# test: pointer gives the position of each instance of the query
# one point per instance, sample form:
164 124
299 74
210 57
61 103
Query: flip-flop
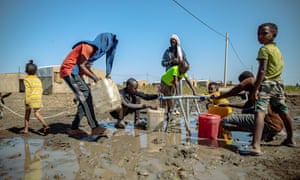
288 144
250 152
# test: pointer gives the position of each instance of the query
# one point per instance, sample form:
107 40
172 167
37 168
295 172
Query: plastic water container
155 118
222 111
208 126
106 96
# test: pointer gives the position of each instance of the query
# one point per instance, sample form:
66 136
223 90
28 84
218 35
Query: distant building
203 82
49 75
143 83
12 82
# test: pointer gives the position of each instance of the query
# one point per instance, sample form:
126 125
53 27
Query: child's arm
259 77
27 92
240 105
176 85
87 71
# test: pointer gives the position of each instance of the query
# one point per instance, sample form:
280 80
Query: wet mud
135 153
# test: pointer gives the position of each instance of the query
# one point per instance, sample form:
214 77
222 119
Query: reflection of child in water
32 167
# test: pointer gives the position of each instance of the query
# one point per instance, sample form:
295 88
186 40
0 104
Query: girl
33 97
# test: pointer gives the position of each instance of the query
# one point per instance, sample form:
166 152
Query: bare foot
23 131
46 130
289 143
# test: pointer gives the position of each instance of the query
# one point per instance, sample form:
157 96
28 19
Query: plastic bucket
155 118
208 126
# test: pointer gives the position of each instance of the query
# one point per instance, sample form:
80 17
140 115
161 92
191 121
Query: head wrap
179 50
174 36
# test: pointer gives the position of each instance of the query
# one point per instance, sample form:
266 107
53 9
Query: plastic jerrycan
208 126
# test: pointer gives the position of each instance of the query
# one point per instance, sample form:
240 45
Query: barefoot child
269 88
33 97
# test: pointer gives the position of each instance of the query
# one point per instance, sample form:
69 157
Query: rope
22 116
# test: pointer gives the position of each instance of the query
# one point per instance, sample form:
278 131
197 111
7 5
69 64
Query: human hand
96 79
175 61
152 107
216 97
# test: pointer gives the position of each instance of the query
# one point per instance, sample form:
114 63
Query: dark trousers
85 107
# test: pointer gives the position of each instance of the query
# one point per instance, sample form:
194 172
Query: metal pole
185 110
226 57
185 97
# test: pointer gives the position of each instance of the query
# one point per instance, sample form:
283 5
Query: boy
169 82
131 103
246 120
78 63
269 87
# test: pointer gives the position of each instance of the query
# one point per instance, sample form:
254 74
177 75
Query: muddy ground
132 153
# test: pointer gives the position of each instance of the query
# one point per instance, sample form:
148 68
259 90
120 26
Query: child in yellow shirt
33 97
213 90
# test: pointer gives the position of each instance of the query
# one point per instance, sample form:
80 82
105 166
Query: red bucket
208 126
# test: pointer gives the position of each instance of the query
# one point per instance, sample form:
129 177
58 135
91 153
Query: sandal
288 144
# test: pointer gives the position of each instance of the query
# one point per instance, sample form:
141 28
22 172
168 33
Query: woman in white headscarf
174 54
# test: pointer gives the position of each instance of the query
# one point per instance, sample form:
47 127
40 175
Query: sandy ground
132 153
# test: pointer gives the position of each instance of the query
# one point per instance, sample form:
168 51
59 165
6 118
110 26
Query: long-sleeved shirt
105 43
33 91
128 100
168 57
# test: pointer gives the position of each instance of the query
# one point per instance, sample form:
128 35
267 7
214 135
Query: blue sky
45 30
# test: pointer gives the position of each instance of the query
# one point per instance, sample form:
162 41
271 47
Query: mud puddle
23 157
27 158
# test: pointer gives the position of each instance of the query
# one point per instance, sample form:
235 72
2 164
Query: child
131 103
213 89
169 82
78 63
33 97
270 87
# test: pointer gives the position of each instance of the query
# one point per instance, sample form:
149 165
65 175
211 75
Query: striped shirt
33 91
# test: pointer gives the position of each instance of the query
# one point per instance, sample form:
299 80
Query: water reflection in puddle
23 158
